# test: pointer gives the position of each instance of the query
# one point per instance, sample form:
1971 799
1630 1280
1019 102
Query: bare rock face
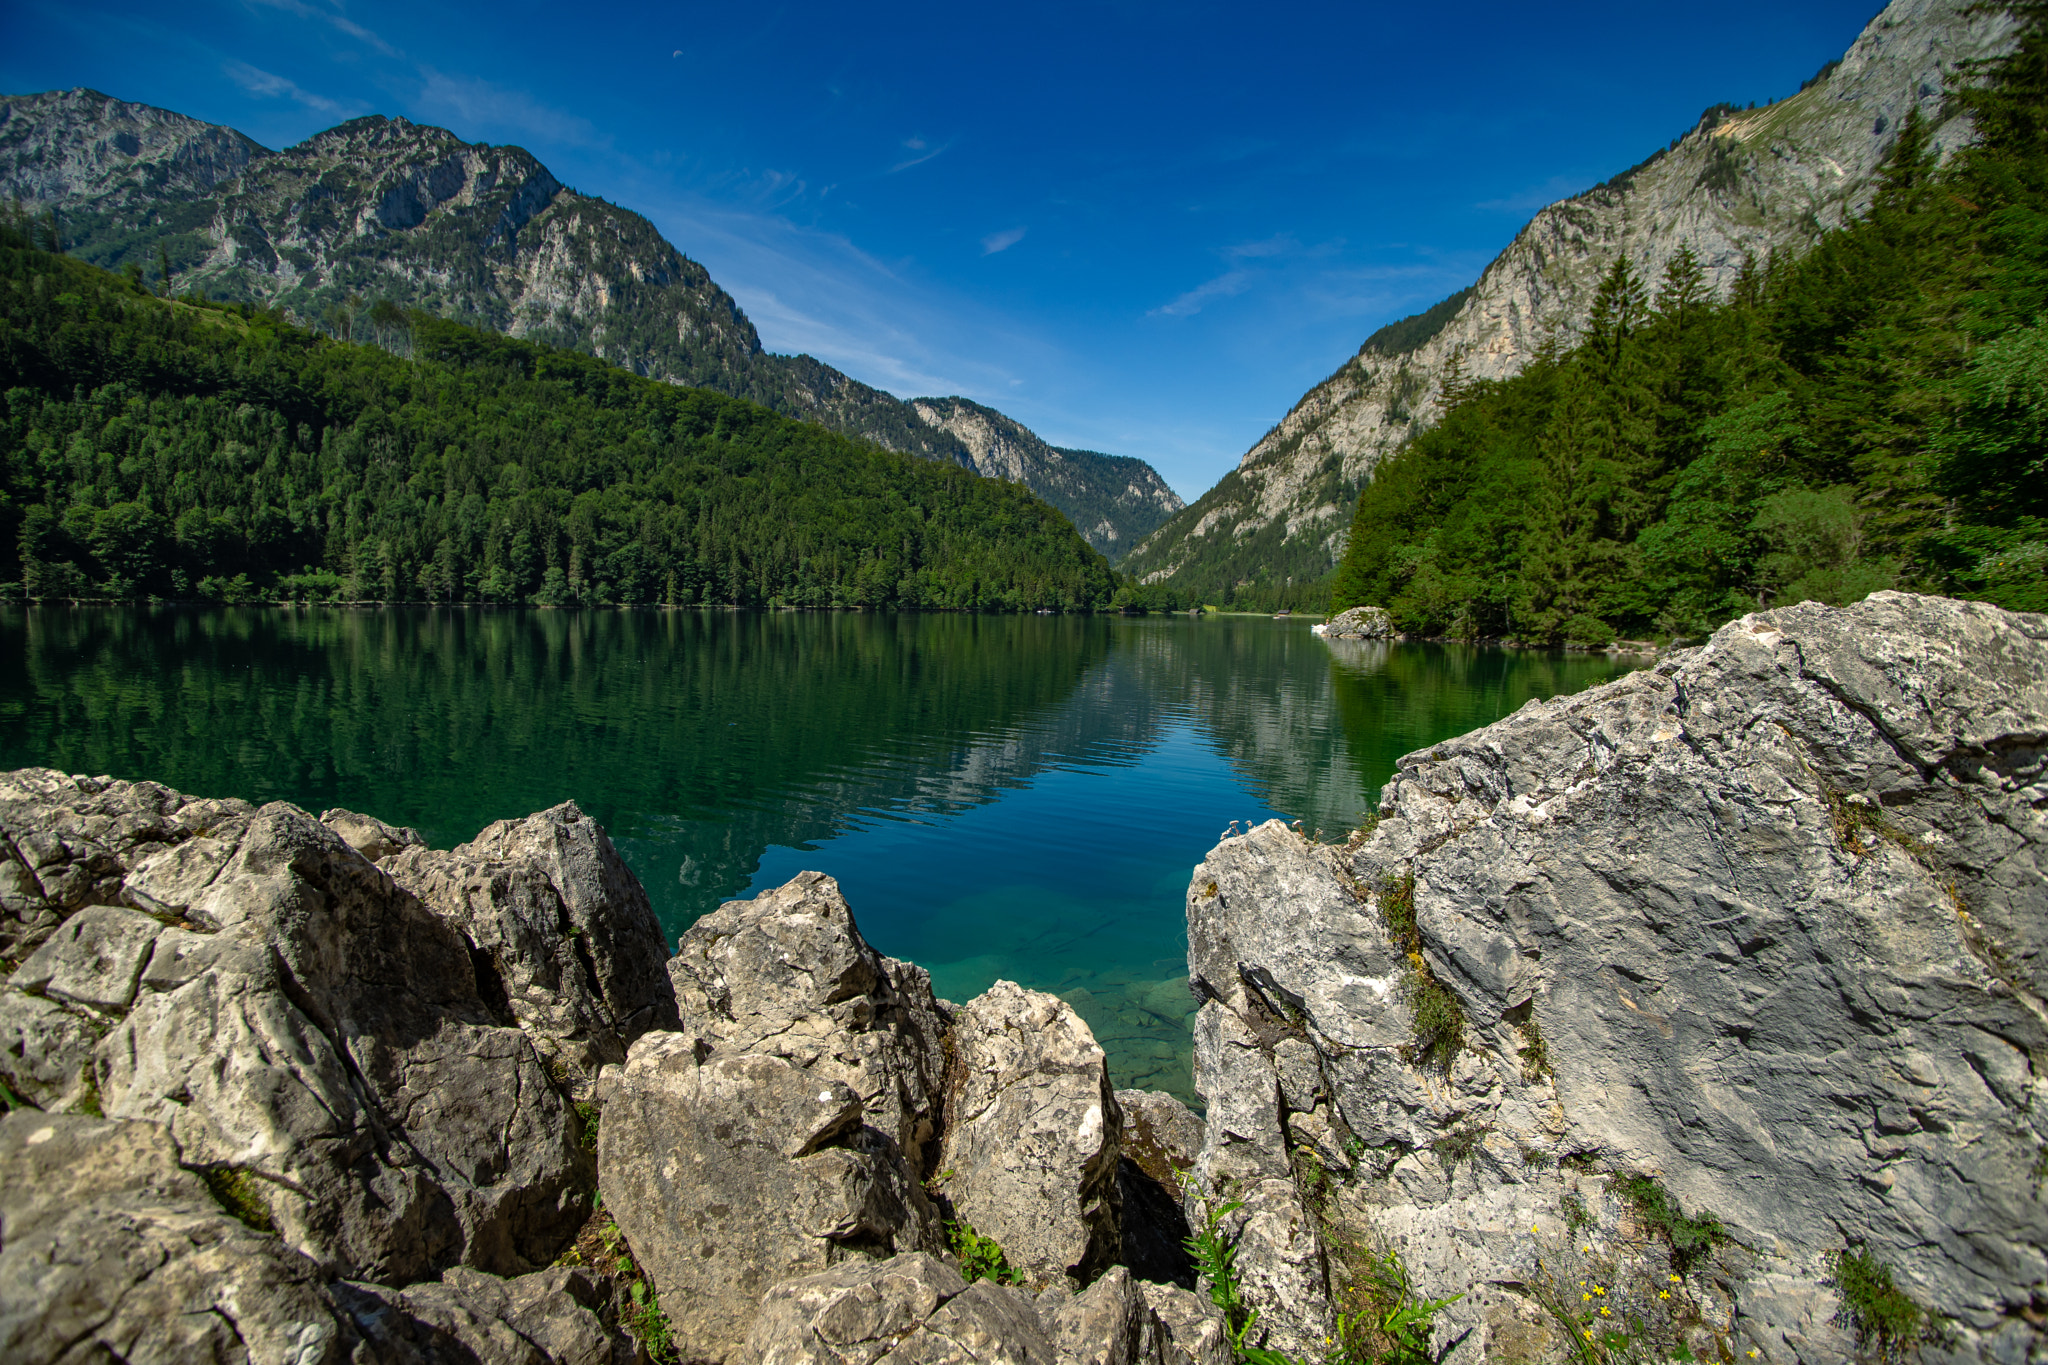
545 1318
1764 924
729 1172
568 929
1034 1134
295 1020
1161 1139
788 974
914 1308
109 1249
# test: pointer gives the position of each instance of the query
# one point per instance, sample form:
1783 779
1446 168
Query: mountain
1741 184
383 209
1114 500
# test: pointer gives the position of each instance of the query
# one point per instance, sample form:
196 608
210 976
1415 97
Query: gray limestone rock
730 1172
46 1051
1190 1326
328 1033
1161 1139
94 959
788 973
1033 1135
1109 1323
1359 623
545 1318
577 956
109 1249
369 836
851 1314
1765 923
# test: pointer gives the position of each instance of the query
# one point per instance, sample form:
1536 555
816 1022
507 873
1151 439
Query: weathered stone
851 1314
729 1173
985 1324
1033 1135
1766 922
326 1033
94 959
788 973
45 1051
1109 1323
1161 1139
110 1250
1360 623
576 954
1161 1135
544 1318
1190 1326
369 836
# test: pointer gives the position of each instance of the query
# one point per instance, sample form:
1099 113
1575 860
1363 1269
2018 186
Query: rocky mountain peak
1740 184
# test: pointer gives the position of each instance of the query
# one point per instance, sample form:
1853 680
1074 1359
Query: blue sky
1136 228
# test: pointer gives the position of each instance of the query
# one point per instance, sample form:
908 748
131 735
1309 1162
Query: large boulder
299 1023
110 1249
1763 925
1033 1136
1360 623
788 974
569 931
729 1172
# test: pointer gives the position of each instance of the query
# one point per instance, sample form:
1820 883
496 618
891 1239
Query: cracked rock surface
1765 923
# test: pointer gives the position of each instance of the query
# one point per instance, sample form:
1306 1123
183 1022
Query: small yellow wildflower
1605 1314
1533 1228
1587 1250
1676 1279
1663 1293
1589 1334
1754 1353
1599 1289
1585 1298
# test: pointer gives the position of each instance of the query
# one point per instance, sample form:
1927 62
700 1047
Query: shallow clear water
1018 797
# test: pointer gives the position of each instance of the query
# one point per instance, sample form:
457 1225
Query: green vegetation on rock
151 448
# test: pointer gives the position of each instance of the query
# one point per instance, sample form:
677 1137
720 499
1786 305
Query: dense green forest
1871 414
152 447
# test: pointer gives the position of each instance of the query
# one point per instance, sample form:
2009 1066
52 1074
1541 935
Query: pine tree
1562 556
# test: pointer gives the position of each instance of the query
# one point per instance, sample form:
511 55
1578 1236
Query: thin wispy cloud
270 85
1280 244
1222 287
1535 197
474 107
333 18
1002 241
920 152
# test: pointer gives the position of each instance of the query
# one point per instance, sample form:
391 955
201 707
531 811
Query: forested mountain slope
1739 185
1870 414
385 210
158 448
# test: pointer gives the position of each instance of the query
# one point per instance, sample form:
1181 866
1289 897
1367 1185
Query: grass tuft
1887 1322
1692 1238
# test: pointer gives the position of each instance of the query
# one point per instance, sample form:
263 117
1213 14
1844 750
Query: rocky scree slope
1739 185
1679 988
286 1088
381 208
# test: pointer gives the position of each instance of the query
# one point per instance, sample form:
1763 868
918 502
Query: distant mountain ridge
382 208
1740 184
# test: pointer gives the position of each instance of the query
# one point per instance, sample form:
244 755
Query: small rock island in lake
1703 1008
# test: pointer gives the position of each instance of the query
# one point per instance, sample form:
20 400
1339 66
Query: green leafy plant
1887 1322
981 1258
1692 1237
1460 1144
644 1317
587 1116
1577 1217
1392 1325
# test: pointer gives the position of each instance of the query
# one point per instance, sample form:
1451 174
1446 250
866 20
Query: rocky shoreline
1704 988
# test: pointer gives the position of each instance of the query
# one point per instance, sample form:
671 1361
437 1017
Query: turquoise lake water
1019 797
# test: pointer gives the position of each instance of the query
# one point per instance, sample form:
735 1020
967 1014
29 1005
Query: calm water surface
998 796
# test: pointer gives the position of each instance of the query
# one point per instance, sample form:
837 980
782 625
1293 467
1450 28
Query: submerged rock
1360 623
1763 926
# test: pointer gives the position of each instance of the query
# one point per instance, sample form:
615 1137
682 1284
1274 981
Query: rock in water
574 948
1763 926
730 1172
1360 623
788 973
1033 1135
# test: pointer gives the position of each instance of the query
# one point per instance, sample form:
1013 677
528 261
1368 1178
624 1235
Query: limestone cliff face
1740 184
382 208
1114 500
1763 924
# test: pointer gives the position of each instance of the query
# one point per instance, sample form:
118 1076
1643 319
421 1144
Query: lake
1019 797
